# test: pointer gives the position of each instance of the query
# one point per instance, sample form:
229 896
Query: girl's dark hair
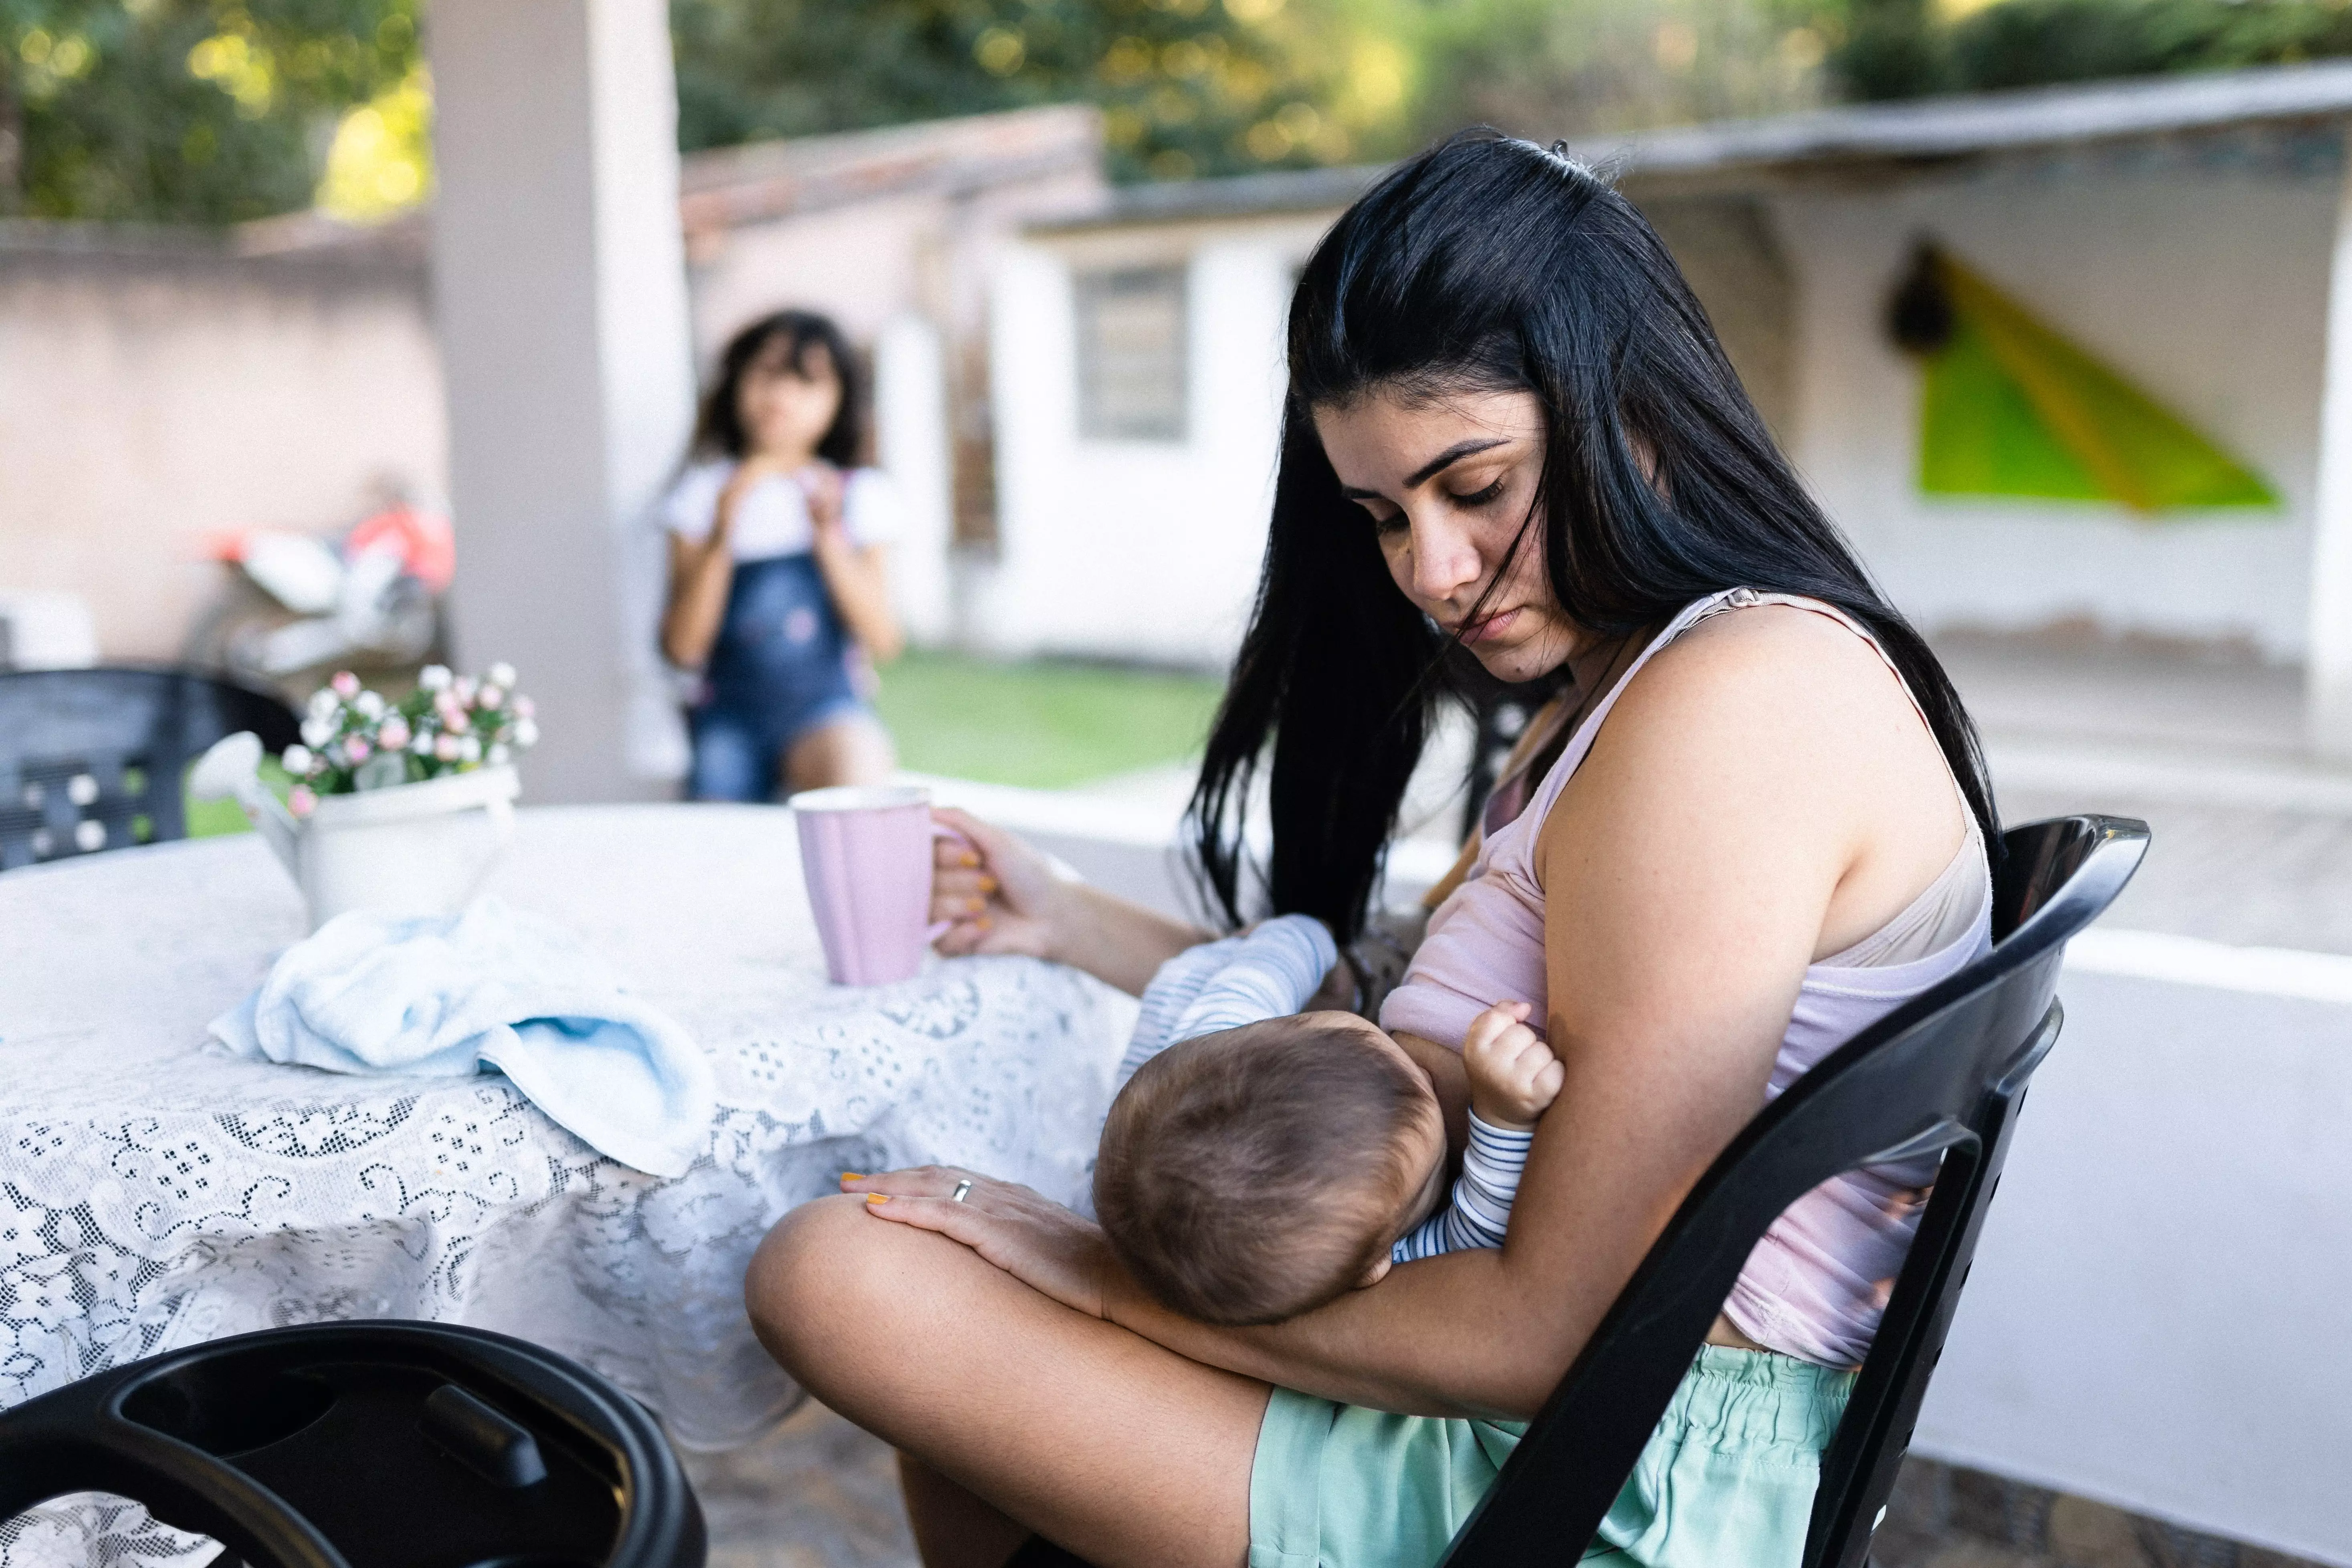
1489 264
719 423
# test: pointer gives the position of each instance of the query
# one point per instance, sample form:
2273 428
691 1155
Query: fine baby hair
1254 1174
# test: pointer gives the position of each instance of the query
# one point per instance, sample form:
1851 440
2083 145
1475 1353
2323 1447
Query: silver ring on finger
962 1191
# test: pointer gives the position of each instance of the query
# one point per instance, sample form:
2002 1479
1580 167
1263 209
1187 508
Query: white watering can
412 849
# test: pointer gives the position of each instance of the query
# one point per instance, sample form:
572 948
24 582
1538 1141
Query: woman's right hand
998 894
1047 1247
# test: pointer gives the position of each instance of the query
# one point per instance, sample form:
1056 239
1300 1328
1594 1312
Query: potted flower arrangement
354 739
402 805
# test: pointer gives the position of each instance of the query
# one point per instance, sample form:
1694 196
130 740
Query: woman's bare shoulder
1769 746
1772 720
1770 681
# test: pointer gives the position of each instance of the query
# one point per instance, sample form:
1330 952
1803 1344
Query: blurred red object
427 544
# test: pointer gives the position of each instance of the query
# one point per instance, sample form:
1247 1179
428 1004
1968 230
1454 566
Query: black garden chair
92 759
367 1444
1945 1072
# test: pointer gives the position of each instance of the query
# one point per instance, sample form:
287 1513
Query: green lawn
211 818
1040 723
1046 724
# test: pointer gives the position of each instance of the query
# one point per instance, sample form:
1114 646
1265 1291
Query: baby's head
1250 1175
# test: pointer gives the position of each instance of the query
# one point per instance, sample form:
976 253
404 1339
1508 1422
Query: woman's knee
821 1286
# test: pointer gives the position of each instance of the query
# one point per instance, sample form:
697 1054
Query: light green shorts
1726 1481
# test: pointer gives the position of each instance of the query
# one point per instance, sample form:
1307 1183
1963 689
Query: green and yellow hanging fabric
2009 407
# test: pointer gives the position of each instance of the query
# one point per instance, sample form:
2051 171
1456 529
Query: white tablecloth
153 1195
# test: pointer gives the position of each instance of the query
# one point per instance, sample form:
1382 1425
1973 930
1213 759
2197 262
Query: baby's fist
1513 1074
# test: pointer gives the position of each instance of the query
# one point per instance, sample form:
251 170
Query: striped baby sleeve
1268 973
1483 1195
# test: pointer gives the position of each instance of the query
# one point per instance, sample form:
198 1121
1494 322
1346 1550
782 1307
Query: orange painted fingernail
985 923
988 884
852 1176
878 1197
968 858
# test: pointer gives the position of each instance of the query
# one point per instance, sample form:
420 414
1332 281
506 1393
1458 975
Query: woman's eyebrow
1435 466
1448 457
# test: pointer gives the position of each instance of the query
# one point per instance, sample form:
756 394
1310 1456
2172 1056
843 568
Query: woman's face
1448 483
786 408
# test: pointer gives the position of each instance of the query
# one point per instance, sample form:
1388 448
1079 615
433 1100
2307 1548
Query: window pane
1131 354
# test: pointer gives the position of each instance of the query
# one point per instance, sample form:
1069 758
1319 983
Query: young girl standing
778 587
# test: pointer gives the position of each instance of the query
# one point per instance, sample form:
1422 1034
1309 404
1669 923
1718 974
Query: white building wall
1138 549
2207 287
148 400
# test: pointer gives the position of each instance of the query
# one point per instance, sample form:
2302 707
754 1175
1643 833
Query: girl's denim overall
781 667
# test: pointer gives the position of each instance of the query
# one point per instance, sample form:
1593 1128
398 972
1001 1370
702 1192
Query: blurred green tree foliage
1565 67
1907 48
215 110
184 111
1187 87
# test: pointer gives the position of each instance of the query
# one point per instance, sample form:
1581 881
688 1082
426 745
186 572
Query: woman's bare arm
998 895
1688 871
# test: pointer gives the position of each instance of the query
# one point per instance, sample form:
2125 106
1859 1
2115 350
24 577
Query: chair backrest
1944 1072
390 1445
93 759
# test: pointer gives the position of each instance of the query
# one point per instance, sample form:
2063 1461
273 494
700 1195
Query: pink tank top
1817 1284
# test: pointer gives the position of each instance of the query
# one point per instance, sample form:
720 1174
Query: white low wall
2159 1310
2157 1314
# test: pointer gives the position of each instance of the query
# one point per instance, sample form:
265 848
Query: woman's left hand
1047 1247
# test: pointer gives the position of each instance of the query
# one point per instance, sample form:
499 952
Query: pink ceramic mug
865 855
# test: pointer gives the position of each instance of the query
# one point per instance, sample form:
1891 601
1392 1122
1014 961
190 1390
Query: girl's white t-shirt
773 519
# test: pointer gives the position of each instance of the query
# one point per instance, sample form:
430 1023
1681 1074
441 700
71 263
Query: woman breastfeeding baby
1336 1266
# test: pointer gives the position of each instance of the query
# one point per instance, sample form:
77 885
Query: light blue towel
490 990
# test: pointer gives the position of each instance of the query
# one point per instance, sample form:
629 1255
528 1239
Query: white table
154 1195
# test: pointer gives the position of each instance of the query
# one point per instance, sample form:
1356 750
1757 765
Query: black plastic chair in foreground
92 759
1947 1072
368 1445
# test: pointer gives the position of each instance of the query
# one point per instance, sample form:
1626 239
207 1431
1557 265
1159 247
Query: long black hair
1489 264
718 422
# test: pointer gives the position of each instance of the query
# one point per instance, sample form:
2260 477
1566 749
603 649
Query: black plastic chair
92 759
1946 1071
368 1445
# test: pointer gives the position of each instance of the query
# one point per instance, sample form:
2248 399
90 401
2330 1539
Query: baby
1279 1159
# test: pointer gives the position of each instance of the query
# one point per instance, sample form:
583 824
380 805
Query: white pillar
559 279
2327 674
910 420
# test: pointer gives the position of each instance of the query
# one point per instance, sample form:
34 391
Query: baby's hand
1513 1074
